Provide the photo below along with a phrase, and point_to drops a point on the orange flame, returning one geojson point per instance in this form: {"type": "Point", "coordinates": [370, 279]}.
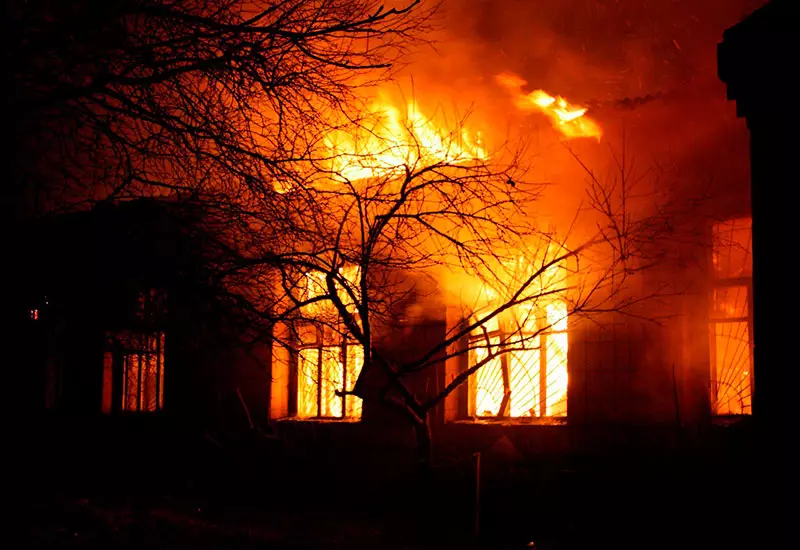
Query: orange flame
{"type": "Point", "coordinates": [390, 138]}
{"type": "Point", "coordinates": [570, 120]}
{"type": "Point", "coordinates": [314, 285]}
{"type": "Point", "coordinates": [328, 362]}
{"type": "Point", "coordinates": [531, 378]}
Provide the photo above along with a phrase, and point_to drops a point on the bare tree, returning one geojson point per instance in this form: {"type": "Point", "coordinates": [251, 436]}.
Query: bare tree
{"type": "Point", "coordinates": [215, 105]}
{"type": "Point", "coordinates": [189, 97]}
{"type": "Point", "coordinates": [411, 204]}
{"type": "Point", "coordinates": [315, 207]}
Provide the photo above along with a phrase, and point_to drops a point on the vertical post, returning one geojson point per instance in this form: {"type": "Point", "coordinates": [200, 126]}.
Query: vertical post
{"type": "Point", "coordinates": [320, 385]}
{"type": "Point", "coordinates": [543, 374]}
{"type": "Point", "coordinates": [158, 371]}
{"type": "Point", "coordinates": [318, 382]}
{"type": "Point", "coordinates": [503, 411]}
{"type": "Point", "coordinates": [124, 360]}
{"type": "Point", "coordinates": [291, 361]}
{"type": "Point", "coordinates": [343, 355]}
{"type": "Point", "coordinates": [477, 493]}
{"type": "Point", "coordinates": [118, 382]}
{"type": "Point", "coordinates": [139, 379]}
{"type": "Point", "coordinates": [712, 356]}
{"type": "Point", "coordinates": [750, 336]}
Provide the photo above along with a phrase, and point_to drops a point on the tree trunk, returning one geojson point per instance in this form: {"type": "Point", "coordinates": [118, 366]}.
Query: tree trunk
{"type": "Point", "coordinates": [422, 432]}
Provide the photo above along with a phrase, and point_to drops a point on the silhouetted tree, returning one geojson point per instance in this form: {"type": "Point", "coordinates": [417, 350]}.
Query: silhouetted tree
{"type": "Point", "coordinates": [183, 97]}
{"type": "Point", "coordinates": [313, 206]}
{"type": "Point", "coordinates": [415, 216]}
{"type": "Point", "coordinates": [212, 104]}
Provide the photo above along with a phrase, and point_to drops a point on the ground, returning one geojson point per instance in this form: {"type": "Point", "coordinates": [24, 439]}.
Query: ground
{"type": "Point", "coordinates": [249, 493]}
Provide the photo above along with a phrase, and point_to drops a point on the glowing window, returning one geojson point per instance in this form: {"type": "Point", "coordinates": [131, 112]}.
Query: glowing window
{"type": "Point", "coordinates": [731, 327]}
{"type": "Point", "coordinates": [327, 364]}
{"type": "Point", "coordinates": [527, 377]}
{"type": "Point", "coordinates": [139, 358]}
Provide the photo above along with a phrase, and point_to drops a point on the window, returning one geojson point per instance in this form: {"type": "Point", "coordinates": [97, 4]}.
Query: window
{"type": "Point", "coordinates": [528, 377]}
{"type": "Point", "coordinates": [321, 361]}
{"type": "Point", "coordinates": [327, 363]}
{"type": "Point", "coordinates": [139, 360]}
{"type": "Point", "coordinates": [143, 373]}
{"type": "Point", "coordinates": [731, 324]}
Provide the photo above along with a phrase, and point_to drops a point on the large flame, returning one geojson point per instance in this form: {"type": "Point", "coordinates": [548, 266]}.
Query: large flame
{"type": "Point", "coordinates": [529, 375]}
{"type": "Point", "coordinates": [570, 120]}
{"type": "Point", "coordinates": [389, 138]}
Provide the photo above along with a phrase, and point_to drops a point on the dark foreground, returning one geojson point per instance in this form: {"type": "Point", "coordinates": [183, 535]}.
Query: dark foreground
{"type": "Point", "coordinates": [253, 491]}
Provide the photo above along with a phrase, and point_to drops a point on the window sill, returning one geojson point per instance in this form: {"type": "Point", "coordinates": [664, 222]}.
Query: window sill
{"type": "Point", "coordinates": [488, 421]}
{"type": "Point", "coordinates": [730, 419]}
{"type": "Point", "coordinates": [319, 420]}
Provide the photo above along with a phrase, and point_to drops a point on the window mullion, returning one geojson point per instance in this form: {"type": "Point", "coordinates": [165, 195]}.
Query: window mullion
{"type": "Point", "coordinates": [542, 374]}
{"type": "Point", "coordinates": [343, 352]}
{"type": "Point", "coordinates": [504, 369]}
{"type": "Point", "coordinates": [319, 371]}
{"type": "Point", "coordinates": [139, 379]}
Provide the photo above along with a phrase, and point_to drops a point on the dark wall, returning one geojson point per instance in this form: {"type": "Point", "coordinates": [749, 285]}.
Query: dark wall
{"type": "Point", "coordinates": [84, 273]}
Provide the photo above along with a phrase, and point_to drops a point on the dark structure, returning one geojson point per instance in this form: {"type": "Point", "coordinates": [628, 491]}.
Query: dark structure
{"type": "Point", "coordinates": [110, 299]}
{"type": "Point", "coordinates": [114, 309]}
{"type": "Point", "coordinates": [755, 62]}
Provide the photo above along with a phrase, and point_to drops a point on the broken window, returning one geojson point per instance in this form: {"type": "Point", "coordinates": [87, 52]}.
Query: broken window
{"type": "Point", "coordinates": [138, 358]}
{"type": "Point", "coordinates": [527, 377]}
{"type": "Point", "coordinates": [327, 364]}
{"type": "Point", "coordinates": [731, 322]}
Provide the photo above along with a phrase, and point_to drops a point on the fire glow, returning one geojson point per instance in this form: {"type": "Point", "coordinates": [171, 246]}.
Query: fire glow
{"type": "Point", "coordinates": [527, 377]}
{"type": "Point", "coordinates": [531, 379]}
{"type": "Point", "coordinates": [524, 350]}
{"type": "Point", "coordinates": [328, 362]}
{"type": "Point", "coordinates": [569, 120]}
{"type": "Point", "coordinates": [391, 138]}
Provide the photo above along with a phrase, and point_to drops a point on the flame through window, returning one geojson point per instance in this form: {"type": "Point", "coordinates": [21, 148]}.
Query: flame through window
{"type": "Point", "coordinates": [528, 375]}
{"type": "Point", "coordinates": [323, 369]}
{"type": "Point", "coordinates": [731, 326]}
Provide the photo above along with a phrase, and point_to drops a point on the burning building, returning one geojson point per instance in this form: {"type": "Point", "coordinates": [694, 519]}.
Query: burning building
{"type": "Point", "coordinates": [428, 284]}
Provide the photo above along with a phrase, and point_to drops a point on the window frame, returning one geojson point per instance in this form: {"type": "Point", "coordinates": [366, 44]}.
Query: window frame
{"type": "Point", "coordinates": [724, 282]}
{"type": "Point", "coordinates": [342, 344]}
{"type": "Point", "coordinates": [140, 353]}
{"type": "Point", "coordinates": [543, 335]}
{"type": "Point", "coordinates": [122, 347]}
